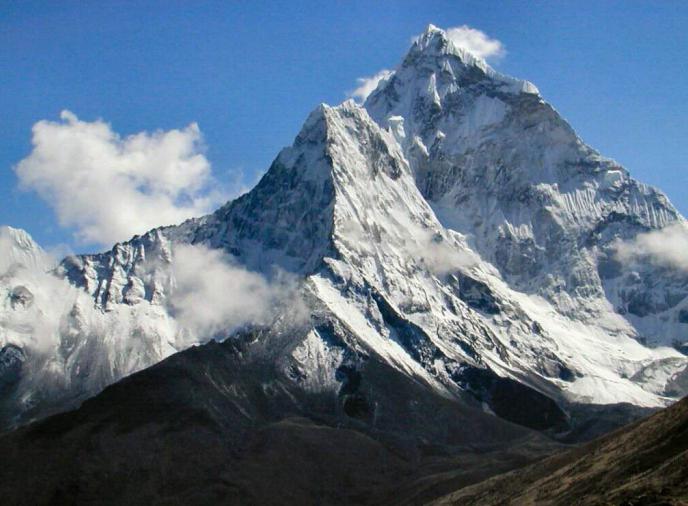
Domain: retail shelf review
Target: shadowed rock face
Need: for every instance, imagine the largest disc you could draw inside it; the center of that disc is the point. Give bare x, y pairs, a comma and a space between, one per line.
644, 463
512, 401
476, 294
221, 424
11, 360
21, 296
207, 426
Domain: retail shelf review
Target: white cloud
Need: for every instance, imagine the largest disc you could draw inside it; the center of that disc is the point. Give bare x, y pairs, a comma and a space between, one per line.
667, 246
108, 187
439, 254
366, 85
476, 42
212, 294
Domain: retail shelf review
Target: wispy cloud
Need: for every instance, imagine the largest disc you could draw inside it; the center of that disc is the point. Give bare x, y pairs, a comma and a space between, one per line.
109, 188
667, 246
366, 85
476, 42
211, 293
439, 254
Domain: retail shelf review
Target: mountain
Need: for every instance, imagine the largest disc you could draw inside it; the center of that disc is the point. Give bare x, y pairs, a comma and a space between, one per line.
57, 350
453, 228
223, 423
499, 165
646, 463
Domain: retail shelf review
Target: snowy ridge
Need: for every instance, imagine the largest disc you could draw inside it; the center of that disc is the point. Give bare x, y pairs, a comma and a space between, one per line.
454, 227
54, 345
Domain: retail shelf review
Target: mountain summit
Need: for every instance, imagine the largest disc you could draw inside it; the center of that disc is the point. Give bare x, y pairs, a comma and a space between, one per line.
499, 165
454, 229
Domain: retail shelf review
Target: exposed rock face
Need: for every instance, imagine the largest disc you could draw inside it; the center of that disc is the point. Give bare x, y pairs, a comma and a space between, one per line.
11, 362
20, 296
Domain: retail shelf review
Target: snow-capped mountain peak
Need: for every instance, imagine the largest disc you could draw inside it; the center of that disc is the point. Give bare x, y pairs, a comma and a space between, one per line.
454, 227
20, 251
435, 42
498, 164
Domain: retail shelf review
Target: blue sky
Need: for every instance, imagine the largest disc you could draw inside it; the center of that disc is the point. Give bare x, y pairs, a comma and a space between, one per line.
248, 73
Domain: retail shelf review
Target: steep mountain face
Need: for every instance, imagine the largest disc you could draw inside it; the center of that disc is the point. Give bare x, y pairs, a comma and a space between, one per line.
393, 276
454, 229
499, 165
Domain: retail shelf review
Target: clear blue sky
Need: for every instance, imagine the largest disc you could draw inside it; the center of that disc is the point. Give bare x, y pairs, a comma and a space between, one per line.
249, 72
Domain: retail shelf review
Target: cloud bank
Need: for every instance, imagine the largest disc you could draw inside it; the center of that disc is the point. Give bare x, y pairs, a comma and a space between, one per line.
109, 188
476, 42
667, 246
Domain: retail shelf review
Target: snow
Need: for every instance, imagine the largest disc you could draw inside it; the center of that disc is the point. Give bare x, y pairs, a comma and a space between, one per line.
354, 318
453, 220
318, 362
70, 348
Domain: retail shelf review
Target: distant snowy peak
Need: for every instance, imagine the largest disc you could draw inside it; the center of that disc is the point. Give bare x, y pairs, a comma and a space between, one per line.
20, 250
56, 347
